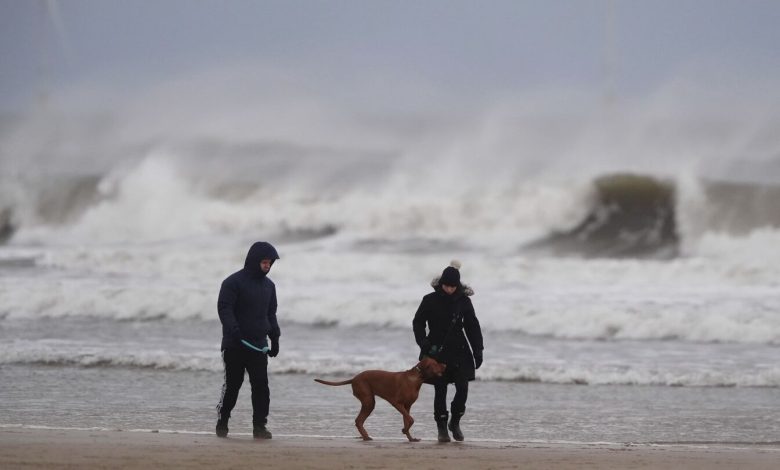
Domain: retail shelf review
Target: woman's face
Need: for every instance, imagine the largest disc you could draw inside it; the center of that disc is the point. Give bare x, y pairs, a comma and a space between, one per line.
449, 290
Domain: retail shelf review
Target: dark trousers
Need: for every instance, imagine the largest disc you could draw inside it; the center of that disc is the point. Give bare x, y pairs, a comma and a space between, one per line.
255, 363
457, 375
458, 404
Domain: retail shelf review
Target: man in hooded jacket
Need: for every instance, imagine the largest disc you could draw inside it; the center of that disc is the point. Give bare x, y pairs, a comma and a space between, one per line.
247, 310
448, 313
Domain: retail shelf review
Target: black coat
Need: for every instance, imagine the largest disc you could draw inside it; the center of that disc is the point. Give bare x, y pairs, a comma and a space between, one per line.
247, 302
436, 313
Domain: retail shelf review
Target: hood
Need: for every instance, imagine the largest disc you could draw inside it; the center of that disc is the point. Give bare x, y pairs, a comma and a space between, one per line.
465, 289
258, 252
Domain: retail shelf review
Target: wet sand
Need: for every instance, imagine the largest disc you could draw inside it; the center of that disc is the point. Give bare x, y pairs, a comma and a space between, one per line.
48, 449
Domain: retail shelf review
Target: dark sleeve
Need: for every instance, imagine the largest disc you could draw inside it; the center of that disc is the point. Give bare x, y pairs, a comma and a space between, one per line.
472, 328
418, 324
275, 332
226, 307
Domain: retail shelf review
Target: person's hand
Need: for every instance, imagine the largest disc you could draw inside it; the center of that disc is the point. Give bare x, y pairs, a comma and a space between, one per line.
274, 347
425, 348
477, 359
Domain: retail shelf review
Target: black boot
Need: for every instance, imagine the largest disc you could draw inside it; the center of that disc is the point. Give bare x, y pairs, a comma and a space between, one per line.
454, 426
259, 431
222, 427
441, 425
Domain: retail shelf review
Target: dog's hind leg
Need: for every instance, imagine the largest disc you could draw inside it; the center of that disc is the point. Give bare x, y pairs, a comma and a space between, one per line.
367, 406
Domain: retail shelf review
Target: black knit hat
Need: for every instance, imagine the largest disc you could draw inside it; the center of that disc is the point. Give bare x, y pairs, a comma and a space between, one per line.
450, 276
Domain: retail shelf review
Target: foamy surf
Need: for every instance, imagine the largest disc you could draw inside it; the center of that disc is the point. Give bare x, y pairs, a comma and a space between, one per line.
662, 297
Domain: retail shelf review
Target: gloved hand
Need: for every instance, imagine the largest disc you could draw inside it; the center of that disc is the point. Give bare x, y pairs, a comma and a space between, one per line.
477, 359
425, 348
274, 347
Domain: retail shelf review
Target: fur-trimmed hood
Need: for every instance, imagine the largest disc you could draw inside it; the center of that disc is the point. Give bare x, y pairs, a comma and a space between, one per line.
463, 288
467, 290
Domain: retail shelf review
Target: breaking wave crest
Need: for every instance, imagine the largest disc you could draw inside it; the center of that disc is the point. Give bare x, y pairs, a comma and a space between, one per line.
638, 216
614, 215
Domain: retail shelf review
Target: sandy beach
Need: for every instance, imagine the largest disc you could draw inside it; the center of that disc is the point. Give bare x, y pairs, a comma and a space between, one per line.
45, 449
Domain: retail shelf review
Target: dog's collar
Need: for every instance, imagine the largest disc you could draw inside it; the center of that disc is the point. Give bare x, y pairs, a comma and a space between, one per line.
420, 373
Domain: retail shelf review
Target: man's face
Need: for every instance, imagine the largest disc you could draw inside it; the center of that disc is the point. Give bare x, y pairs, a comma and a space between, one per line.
448, 289
265, 265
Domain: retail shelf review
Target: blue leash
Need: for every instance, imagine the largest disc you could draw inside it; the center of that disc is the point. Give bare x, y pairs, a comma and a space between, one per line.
264, 349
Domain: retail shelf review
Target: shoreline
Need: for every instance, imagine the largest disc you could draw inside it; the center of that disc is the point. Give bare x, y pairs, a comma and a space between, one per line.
38, 448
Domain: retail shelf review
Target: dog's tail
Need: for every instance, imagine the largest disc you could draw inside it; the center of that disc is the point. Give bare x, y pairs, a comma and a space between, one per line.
343, 382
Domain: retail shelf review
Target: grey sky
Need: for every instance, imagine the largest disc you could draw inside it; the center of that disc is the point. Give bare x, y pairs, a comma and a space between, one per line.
468, 47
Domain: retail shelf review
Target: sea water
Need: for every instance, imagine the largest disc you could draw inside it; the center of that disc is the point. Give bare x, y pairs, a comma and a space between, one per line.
575, 350
115, 241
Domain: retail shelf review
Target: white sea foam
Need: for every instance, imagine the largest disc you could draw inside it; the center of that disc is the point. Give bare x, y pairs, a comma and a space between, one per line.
711, 297
682, 368
364, 215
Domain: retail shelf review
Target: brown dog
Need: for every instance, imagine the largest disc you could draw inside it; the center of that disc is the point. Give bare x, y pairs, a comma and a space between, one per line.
400, 389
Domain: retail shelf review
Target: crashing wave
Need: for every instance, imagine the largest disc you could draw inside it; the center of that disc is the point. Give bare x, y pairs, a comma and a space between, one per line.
632, 216
622, 216
638, 216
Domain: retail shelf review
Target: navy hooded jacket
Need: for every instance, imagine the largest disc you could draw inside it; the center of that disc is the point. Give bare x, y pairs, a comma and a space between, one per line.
247, 302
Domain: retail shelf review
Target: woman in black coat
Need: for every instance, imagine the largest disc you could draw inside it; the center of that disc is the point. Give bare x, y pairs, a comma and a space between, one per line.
447, 313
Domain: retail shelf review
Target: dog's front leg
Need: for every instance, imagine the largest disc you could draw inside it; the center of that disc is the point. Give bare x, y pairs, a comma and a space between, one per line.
408, 422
